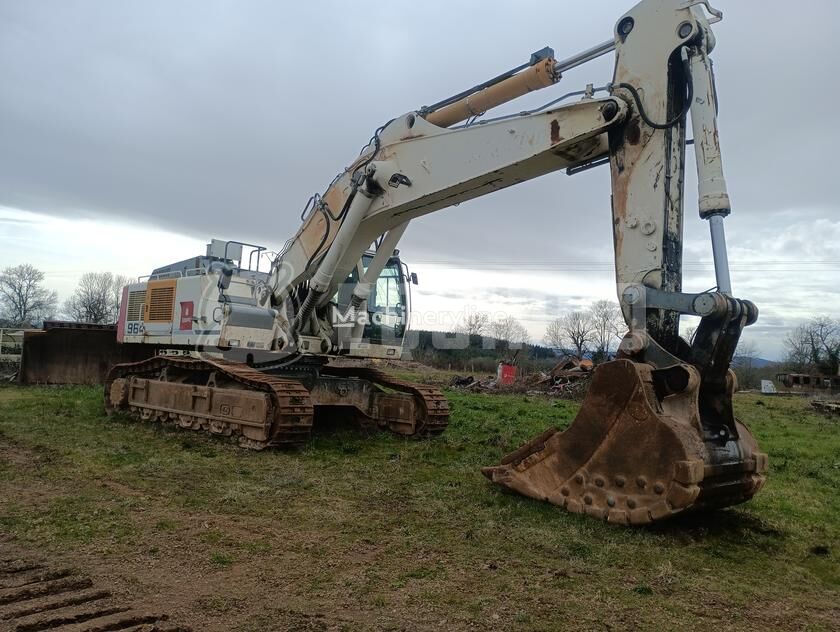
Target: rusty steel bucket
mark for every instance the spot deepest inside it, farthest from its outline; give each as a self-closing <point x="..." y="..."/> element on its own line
<point x="637" y="452"/>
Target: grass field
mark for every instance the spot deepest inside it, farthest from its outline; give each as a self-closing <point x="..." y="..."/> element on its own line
<point x="384" y="533"/>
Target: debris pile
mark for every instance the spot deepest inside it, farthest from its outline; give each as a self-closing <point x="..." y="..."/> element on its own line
<point x="827" y="407"/>
<point x="469" y="383"/>
<point x="8" y="370"/>
<point x="569" y="379"/>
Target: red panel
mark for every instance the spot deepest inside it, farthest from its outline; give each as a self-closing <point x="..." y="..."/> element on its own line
<point x="507" y="374"/>
<point x="187" y="308"/>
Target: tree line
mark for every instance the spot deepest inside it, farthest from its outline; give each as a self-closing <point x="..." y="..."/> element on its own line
<point x="811" y="347"/>
<point x="25" y="301"/>
<point x="814" y="347"/>
<point x="480" y="341"/>
<point x="594" y="332"/>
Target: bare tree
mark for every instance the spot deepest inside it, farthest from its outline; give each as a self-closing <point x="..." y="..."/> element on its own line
<point x="607" y="326"/>
<point x="96" y="298"/>
<point x="521" y="336"/>
<point x="554" y="336"/>
<point x="574" y="332"/>
<point x="509" y="332"/>
<point x="816" y="345"/>
<point x="475" y="323"/>
<point x="23" y="298"/>
<point x="798" y="348"/>
<point x="825" y="343"/>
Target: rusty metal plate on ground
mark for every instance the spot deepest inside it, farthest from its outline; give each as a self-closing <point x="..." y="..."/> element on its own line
<point x="35" y="597"/>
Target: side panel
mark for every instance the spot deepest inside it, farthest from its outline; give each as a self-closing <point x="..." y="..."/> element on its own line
<point x="131" y="321"/>
<point x="186" y="312"/>
<point x="159" y="309"/>
<point x="197" y="311"/>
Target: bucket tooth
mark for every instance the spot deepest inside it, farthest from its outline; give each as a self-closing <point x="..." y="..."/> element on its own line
<point x="632" y="456"/>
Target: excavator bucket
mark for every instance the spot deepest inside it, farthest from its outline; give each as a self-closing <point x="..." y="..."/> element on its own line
<point x="638" y="451"/>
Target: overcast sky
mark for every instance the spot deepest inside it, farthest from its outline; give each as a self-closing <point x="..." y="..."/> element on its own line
<point x="131" y="132"/>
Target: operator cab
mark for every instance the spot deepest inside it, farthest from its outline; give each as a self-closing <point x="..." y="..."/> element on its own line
<point x="389" y="305"/>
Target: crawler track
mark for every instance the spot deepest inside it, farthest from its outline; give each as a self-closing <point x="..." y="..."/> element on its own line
<point x="435" y="409"/>
<point x="255" y="407"/>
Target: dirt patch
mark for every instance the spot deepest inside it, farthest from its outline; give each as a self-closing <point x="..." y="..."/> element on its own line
<point x="18" y="456"/>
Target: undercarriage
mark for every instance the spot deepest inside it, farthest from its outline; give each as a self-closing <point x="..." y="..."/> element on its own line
<point x="273" y="407"/>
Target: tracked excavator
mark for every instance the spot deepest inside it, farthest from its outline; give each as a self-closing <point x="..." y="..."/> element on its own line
<point x="656" y="434"/>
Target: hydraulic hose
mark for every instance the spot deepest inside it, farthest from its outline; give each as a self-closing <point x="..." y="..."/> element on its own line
<point x="686" y="105"/>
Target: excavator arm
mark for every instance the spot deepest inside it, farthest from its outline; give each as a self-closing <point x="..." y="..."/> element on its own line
<point x="656" y="434"/>
<point x="420" y="168"/>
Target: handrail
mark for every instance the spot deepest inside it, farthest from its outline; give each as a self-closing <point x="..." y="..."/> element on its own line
<point x="172" y="273"/>
<point x="258" y="250"/>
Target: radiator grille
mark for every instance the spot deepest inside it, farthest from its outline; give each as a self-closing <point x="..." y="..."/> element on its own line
<point x="161" y="304"/>
<point x="136" y="300"/>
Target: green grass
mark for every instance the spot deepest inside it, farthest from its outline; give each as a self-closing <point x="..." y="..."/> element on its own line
<point x="404" y="533"/>
<point x="221" y="559"/>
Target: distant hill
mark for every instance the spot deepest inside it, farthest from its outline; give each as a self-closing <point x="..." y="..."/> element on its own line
<point x="758" y="363"/>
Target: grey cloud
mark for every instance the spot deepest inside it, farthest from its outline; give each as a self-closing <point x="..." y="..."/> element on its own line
<point x="186" y="114"/>
<point x="15" y="221"/>
<point x="219" y="119"/>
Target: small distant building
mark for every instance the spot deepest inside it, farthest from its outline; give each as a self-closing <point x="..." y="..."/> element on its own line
<point x="809" y="381"/>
